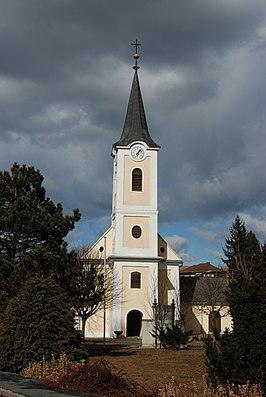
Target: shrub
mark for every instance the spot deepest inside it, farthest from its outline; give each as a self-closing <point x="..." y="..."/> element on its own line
<point x="219" y="358"/>
<point x="171" y="338"/>
<point x="51" y="370"/>
<point x="85" y="376"/>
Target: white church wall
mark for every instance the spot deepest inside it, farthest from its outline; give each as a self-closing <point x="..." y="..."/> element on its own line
<point x="147" y="328"/>
<point x="200" y="323"/>
<point x="95" y="325"/>
<point x="95" y="252"/>
<point x="135" y="297"/>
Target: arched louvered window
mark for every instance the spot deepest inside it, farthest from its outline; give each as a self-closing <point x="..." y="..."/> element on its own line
<point x="137" y="180"/>
<point x="135" y="280"/>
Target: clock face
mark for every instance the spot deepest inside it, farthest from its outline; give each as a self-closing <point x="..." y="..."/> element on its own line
<point x="137" y="152"/>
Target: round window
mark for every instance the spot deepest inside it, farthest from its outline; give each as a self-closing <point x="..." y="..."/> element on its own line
<point x="136" y="231"/>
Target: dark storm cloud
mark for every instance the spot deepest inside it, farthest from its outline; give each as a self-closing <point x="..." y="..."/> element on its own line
<point x="65" y="76"/>
<point x="218" y="160"/>
<point x="47" y="39"/>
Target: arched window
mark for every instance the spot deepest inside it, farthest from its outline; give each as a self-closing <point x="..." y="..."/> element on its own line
<point x="135" y="280"/>
<point x="137" y="180"/>
<point x="215" y="321"/>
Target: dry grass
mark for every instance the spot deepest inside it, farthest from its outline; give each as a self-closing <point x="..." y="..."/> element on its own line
<point x="123" y="371"/>
<point x="154" y="368"/>
<point x="174" y="390"/>
<point x="87" y="376"/>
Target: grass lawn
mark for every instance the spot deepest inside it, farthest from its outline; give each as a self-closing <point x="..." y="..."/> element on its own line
<point x="155" y="367"/>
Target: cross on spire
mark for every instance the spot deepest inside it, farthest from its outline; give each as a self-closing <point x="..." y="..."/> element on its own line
<point x="136" y="44"/>
<point x="136" y="55"/>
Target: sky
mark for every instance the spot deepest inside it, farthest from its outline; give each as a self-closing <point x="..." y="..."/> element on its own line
<point x="65" y="77"/>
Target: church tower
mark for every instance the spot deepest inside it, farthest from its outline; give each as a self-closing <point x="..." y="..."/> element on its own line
<point x="135" y="210"/>
<point x="135" y="213"/>
<point x="143" y="270"/>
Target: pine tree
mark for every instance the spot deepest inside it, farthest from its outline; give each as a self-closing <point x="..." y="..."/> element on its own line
<point x="32" y="232"/>
<point x="246" y="344"/>
<point x="242" y="249"/>
<point x="38" y="323"/>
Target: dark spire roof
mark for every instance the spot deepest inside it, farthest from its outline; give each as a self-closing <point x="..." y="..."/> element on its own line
<point x="135" y="127"/>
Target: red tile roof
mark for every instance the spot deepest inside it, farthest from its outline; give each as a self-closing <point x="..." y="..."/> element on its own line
<point x="206" y="267"/>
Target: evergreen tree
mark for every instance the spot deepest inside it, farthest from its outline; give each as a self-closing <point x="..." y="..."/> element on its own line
<point x="32" y="232"/>
<point x="38" y="323"/>
<point x="242" y="249"/>
<point x="247" y="300"/>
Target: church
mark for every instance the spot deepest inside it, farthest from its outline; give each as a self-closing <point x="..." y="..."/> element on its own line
<point x="139" y="264"/>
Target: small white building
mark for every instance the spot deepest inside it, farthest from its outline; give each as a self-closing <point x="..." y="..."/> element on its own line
<point x="203" y="299"/>
<point x="144" y="267"/>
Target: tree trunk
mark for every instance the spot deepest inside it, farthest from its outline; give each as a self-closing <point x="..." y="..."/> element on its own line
<point x="83" y="325"/>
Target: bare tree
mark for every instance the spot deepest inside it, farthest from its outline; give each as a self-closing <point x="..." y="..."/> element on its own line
<point x="164" y="312"/>
<point x="89" y="294"/>
<point x="210" y="297"/>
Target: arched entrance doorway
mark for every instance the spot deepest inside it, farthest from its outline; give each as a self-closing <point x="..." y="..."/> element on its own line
<point x="134" y="318"/>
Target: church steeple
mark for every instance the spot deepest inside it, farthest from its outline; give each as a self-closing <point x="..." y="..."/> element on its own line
<point x="139" y="257"/>
<point x="135" y="126"/>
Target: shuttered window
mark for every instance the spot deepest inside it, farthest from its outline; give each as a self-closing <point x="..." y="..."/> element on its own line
<point x="135" y="280"/>
<point x="137" y="180"/>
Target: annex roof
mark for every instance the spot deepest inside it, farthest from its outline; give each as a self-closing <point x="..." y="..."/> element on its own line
<point x="205" y="267"/>
<point x="204" y="290"/>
